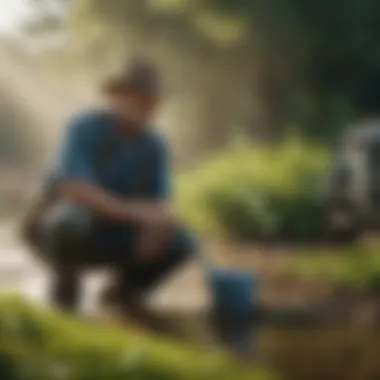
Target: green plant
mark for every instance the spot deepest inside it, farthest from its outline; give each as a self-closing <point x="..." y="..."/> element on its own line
<point x="256" y="192"/>
<point x="37" y="344"/>
<point x="355" y="268"/>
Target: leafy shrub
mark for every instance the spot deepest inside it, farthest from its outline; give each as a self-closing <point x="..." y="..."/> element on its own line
<point x="256" y="192"/>
<point x="40" y="345"/>
<point x="355" y="268"/>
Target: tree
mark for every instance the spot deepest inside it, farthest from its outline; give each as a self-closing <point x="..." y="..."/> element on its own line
<point x="292" y="62"/>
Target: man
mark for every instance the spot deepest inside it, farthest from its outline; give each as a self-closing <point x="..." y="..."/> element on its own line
<point x="102" y="218"/>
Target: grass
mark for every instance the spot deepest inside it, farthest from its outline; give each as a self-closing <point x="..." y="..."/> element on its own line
<point x="38" y="344"/>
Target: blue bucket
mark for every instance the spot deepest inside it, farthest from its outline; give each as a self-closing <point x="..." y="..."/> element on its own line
<point x="234" y="303"/>
<point x="233" y="291"/>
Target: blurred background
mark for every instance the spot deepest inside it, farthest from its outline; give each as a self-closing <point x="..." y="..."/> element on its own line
<point x="272" y="113"/>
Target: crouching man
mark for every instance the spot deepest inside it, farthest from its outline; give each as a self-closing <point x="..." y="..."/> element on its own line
<point x="107" y="202"/>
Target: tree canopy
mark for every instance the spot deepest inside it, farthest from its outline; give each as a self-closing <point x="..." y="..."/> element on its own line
<point x="286" y="63"/>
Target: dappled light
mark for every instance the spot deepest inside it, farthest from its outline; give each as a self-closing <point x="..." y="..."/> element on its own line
<point x="263" y="126"/>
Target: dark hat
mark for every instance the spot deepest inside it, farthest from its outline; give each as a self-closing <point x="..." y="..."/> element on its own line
<point x="138" y="75"/>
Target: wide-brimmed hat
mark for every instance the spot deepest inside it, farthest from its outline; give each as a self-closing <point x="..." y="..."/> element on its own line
<point x="140" y="76"/>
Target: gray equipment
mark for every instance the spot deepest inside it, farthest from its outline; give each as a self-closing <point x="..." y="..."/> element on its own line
<point x="354" y="186"/>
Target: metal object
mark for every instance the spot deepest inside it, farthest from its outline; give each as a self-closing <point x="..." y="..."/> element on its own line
<point x="354" y="187"/>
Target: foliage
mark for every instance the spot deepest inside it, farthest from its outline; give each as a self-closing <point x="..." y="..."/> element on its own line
<point x="356" y="268"/>
<point x="37" y="344"/>
<point x="285" y="53"/>
<point x="256" y="192"/>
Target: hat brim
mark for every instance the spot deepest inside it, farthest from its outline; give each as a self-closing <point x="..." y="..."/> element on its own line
<point x="114" y="86"/>
<point x="121" y="86"/>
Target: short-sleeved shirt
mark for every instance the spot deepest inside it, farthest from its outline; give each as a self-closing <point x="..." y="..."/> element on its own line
<point x="84" y="140"/>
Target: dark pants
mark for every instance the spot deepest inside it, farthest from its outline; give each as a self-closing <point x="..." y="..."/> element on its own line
<point x="71" y="245"/>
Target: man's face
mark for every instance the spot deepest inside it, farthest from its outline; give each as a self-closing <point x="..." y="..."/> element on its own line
<point x="135" y="107"/>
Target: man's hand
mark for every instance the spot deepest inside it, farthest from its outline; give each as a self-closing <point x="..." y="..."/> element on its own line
<point x="150" y="245"/>
<point x="157" y="226"/>
<point x="155" y="216"/>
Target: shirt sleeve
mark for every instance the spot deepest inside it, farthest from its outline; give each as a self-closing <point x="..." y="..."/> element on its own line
<point x="75" y="156"/>
<point x="161" y="174"/>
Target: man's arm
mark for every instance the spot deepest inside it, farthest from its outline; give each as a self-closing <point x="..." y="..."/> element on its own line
<point x="75" y="168"/>
<point x="101" y="202"/>
<point x="154" y="238"/>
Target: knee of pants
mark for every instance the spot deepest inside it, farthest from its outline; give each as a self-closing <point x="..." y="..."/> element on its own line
<point x="183" y="243"/>
<point x="65" y="222"/>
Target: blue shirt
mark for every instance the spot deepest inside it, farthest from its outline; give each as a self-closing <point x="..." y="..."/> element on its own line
<point x="84" y="138"/>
